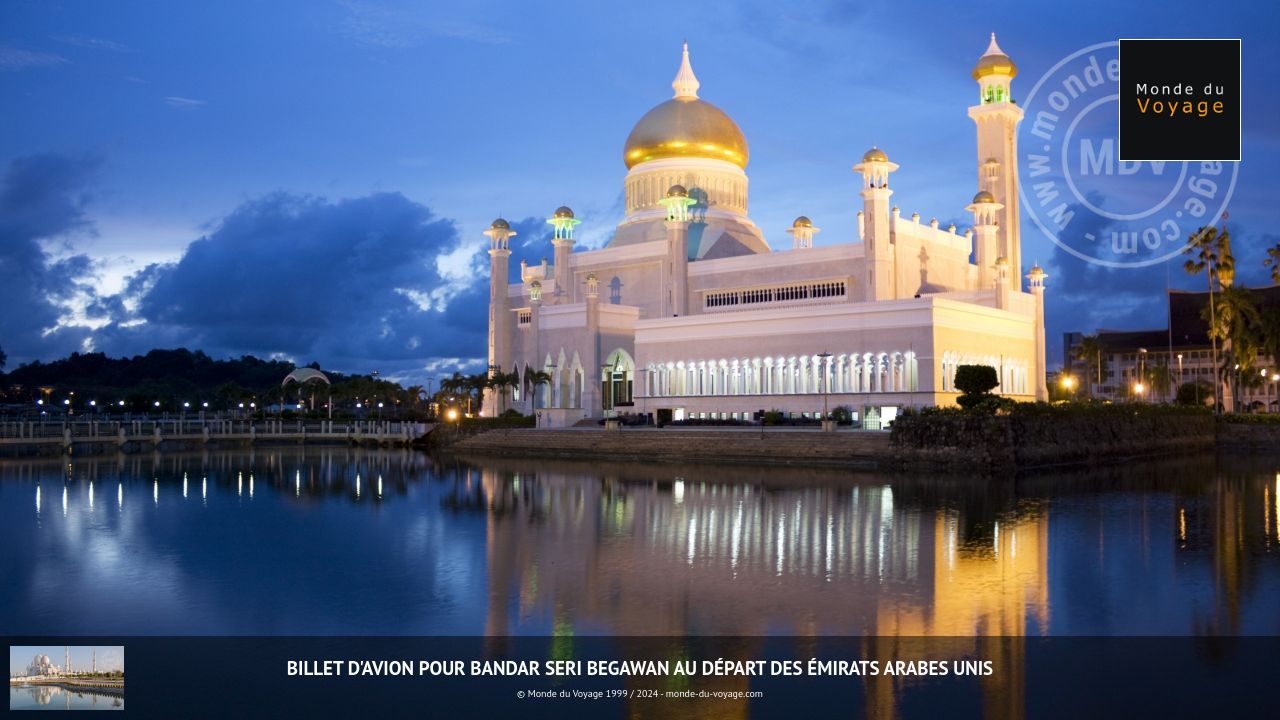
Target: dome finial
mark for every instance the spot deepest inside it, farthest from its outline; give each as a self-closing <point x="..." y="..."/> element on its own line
<point x="993" y="48"/>
<point x="686" y="83"/>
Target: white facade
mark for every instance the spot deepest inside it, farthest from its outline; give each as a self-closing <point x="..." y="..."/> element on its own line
<point x="689" y="312"/>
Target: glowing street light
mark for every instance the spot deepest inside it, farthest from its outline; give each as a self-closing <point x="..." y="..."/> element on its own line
<point x="452" y="415"/>
<point x="1139" y="388"/>
<point x="1068" y="382"/>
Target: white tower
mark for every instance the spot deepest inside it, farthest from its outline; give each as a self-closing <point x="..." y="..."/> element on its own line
<point x="997" y="117"/>
<point x="1036" y="278"/>
<point x="802" y="232"/>
<point x="986" y="240"/>
<point x="876" y="226"/>
<point x="562" y="239"/>
<point x="499" y="233"/>
<point x="676" y="269"/>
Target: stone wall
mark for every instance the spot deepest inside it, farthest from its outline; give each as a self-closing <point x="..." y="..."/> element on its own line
<point x="1253" y="437"/>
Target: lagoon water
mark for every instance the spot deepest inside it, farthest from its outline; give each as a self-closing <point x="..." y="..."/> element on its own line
<point x="340" y="541"/>
<point x="53" y="697"/>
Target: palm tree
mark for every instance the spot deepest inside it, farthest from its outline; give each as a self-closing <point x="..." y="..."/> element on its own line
<point x="535" y="378"/>
<point x="1089" y="351"/>
<point x="502" y="383"/>
<point x="1162" y="377"/>
<point x="1211" y="251"/>
<point x="1273" y="262"/>
<point x="1234" y="319"/>
<point x="1269" y="334"/>
<point x="474" y="386"/>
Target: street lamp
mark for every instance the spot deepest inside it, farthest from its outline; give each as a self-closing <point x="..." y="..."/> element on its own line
<point x="1068" y="384"/>
<point x="1139" y="388"/>
<point x="826" y="356"/>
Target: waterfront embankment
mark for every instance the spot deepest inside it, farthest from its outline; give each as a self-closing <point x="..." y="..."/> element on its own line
<point x="860" y="449"/>
<point x="935" y="442"/>
<point x="114" y="688"/>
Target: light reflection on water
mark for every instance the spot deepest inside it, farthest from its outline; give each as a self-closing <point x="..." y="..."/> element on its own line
<point x="54" y="697"/>
<point x="294" y="541"/>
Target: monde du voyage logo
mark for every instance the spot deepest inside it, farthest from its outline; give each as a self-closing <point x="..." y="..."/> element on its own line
<point x="1128" y="147"/>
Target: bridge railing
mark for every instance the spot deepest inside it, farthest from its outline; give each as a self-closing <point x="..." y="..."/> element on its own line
<point x="195" y="428"/>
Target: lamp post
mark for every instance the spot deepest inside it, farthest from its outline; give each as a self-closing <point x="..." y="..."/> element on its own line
<point x="1068" y="384"/>
<point x="644" y="397"/>
<point x="826" y="357"/>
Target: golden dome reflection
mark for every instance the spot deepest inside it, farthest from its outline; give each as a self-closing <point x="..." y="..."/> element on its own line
<point x="686" y="127"/>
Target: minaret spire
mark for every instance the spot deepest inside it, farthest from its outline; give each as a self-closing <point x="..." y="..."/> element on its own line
<point x="993" y="48"/>
<point x="686" y="83"/>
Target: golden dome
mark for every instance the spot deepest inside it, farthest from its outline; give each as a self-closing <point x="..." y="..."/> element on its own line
<point x="802" y="221"/>
<point x="563" y="212"/>
<point x="501" y="224"/>
<point x="677" y="191"/>
<point x="875" y="154"/>
<point x="994" y="62"/>
<point x="983" y="197"/>
<point x="685" y="127"/>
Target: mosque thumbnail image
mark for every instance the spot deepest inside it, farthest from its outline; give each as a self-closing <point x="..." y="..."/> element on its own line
<point x="689" y="312"/>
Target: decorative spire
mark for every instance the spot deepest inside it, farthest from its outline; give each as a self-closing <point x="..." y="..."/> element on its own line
<point x="686" y="83"/>
<point x="993" y="48"/>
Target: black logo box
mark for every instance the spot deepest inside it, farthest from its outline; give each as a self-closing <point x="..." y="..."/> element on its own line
<point x="1187" y="65"/>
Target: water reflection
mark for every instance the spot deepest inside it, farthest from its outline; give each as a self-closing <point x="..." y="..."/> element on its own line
<point x="290" y="540"/>
<point x="56" y="697"/>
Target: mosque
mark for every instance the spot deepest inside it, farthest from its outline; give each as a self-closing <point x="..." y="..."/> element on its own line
<point x="689" y="312"/>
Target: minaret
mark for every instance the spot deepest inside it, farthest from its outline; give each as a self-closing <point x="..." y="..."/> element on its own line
<point x="877" y="233"/>
<point x="997" y="117"/>
<point x="677" y="202"/>
<point x="95" y="661"/>
<point x="1001" y="269"/>
<point x="563" y="222"/>
<point x="499" y="233"/>
<point x="986" y="240"/>
<point x="1036" y="278"/>
<point x="802" y="232"/>
<point x="591" y="400"/>
<point x="533" y="346"/>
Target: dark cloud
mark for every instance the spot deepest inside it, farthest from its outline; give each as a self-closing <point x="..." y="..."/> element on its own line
<point x="531" y="244"/>
<point x="352" y="284"/>
<point x="42" y="201"/>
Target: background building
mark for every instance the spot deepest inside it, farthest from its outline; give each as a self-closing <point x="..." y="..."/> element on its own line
<point x="1152" y="364"/>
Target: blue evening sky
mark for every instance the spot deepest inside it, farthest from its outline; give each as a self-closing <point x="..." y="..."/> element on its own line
<point x="310" y="179"/>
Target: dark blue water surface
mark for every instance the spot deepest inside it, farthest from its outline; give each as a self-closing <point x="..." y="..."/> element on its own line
<point x="338" y="541"/>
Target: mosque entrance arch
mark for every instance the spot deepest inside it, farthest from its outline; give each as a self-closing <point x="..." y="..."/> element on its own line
<point x="617" y="380"/>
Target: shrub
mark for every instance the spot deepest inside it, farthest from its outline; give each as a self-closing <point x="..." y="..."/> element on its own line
<point x="1195" y="393"/>
<point x="975" y="382"/>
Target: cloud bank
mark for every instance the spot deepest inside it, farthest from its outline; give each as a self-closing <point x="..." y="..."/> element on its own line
<point x="353" y="284"/>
